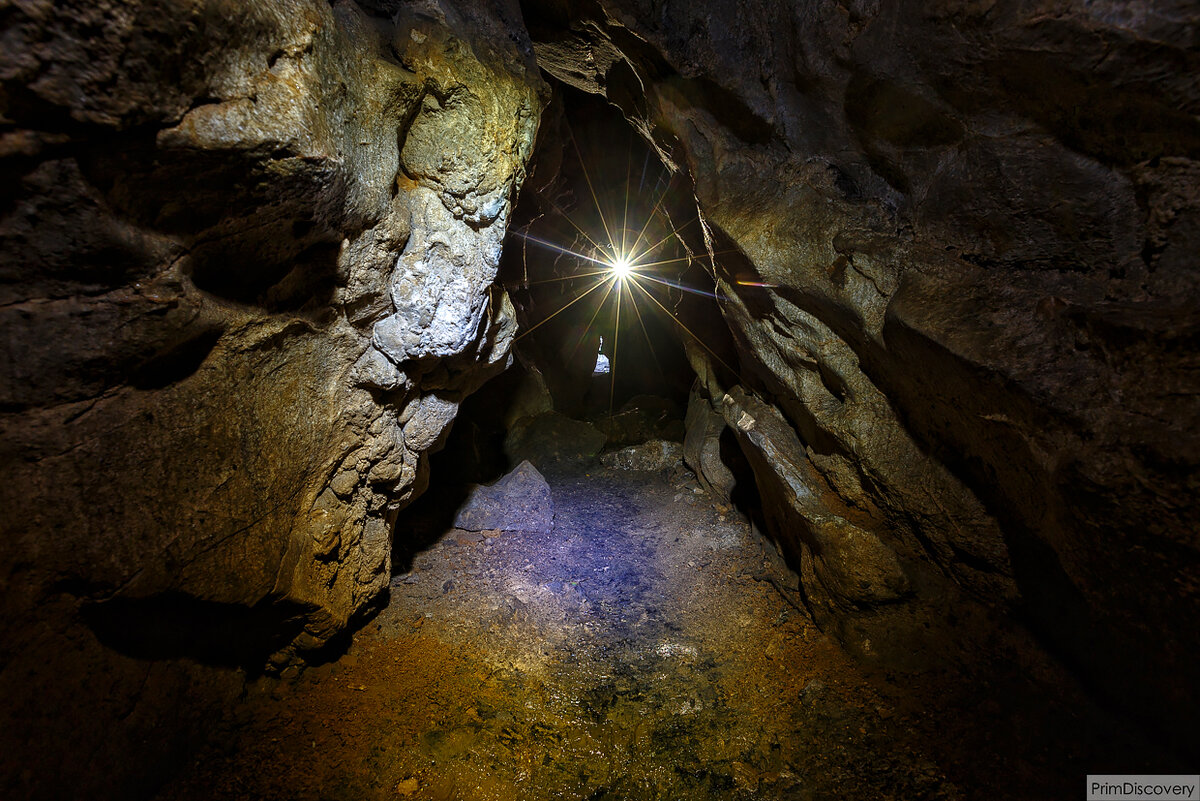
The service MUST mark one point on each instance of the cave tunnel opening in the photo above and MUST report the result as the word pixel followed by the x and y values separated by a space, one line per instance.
pixel 618 601
pixel 605 263
pixel 599 262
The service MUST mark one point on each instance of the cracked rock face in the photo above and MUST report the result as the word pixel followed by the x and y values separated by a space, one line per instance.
pixel 247 255
pixel 959 293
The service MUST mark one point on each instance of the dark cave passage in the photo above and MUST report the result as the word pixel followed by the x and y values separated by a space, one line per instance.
pixel 600 191
pixel 577 612
pixel 546 399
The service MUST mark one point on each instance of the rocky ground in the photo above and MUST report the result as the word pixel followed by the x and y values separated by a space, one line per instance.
pixel 650 644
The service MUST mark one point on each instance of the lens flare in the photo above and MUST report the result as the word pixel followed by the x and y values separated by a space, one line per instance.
pixel 621 267
pixel 619 260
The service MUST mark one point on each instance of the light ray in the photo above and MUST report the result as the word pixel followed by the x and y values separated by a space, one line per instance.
pixel 575 277
pixel 538 325
pixel 674 232
pixel 562 213
pixel 650 216
pixel 645 265
pixel 642 265
pixel 668 312
pixel 588 327
pixel 561 249
pixel 645 333
pixel 681 287
pixel 612 384
pixel 591 189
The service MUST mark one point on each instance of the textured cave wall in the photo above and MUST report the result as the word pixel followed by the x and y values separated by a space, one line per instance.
pixel 247 262
pixel 964 287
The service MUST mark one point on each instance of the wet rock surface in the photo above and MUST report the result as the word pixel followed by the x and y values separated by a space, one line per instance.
pixel 651 646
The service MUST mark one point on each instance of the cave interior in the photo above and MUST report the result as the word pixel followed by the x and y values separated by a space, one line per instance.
pixel 624 400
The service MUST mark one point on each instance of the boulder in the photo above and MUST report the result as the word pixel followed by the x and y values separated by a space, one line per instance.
pixel 520 501
pixel 553 439
pixel 656 454
pixel 642 418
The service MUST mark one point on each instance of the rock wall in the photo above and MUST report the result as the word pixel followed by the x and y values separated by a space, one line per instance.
pixel 247 262
pixel 957 257
pixel 247 254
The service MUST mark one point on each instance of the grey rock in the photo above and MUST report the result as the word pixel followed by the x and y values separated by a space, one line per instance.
pixel 656 454
pixel 553 439
pixel 702 447
pixel 520 501
pixel 430 422
pixel 374 369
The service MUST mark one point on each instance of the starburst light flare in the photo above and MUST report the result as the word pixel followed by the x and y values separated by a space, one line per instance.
pixel 629 243
pixel 621 268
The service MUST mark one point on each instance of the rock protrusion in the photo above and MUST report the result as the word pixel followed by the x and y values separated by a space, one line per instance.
pixel 702 447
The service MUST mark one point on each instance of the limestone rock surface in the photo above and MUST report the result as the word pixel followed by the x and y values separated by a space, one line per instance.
pixel 951 249
pixel 247 262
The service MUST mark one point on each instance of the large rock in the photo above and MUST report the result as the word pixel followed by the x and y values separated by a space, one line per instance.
pixel 656 454
pixel 242 295
pixel 702 447
pixel 954 253
pixel 552 440
pixel 642 418
pixel 520 501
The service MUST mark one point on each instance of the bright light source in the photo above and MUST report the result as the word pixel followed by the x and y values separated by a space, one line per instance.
pixel 620 267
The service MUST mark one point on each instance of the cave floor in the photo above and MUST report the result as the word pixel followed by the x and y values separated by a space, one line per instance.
pixel 649 646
